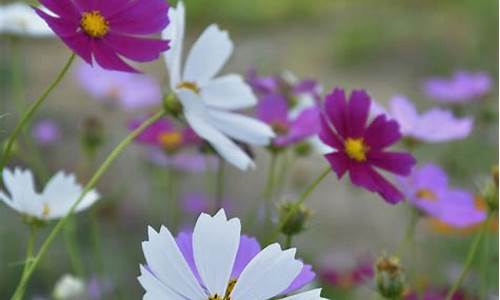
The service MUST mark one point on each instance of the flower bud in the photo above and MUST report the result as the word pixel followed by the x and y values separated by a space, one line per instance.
pixel 303 149
pixel 389 277
pixel 490 193
pixel 172 105
pixel 293 218
pixel 92 135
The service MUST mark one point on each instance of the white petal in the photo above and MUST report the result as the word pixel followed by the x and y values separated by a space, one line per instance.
pixel 268 274
pixel 309 295
pixel 228 92
pixel 155 289
pixel 215 244
pixel 23 196
pixel 197 117
pixel 175 33
pixel 166 261
pixel 208 55
pixel 242 128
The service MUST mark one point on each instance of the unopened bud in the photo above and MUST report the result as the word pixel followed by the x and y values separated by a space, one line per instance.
pixel 490 193
pixel 92 135
pixel 303 149
pixel 172 105
pixel 293 218
pixel 389 277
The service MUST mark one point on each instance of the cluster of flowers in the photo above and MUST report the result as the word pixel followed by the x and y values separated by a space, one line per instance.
pixel 206 126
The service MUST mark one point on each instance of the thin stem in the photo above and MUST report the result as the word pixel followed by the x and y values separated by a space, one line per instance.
pixel 72 248
pixel 483 284
pixel 29 250
pixel 471 254
pixel 219 185
pixel 88 187
pixel 172 209
pixel 96 241
pixel 268 192
pixel 25 119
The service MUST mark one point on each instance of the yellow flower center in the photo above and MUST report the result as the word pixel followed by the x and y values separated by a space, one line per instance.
pixel 171 140
pixel 190 85
pixel 280 127
pixel 45 210
pixel 227 295
pixel 356 149
pixel 94 24
pixel 426 194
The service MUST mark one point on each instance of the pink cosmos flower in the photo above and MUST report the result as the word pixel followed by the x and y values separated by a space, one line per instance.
pixel 359 148
pixel 461 87
pixel 110 30
pixel 46 132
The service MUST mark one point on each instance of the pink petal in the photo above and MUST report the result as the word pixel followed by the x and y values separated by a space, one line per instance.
pixel 363 175
pixel 328 136
pixel 141 17
pixel 138 49
pixel 382 133
pixel 336 109
pixel 359 107
pixel 63 8
pixel 61 26
pixel 81 44
pixel 339 162
pixel 396 162
pixel 272 108
pixel 109 8
pixel 106 58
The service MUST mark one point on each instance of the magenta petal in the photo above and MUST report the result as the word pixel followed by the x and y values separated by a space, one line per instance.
pixel 107 58
pixel 327 135
pixel 272 108
pixel 336 109
pixel 382 133
pixel 305 276
pixel 141 17
pixel 396 162
pixel 80 44
pixel 364 176
pixel 63 8
pixel 137 49
pixel 306 125
pixel 359 106
pixel 110 7
pixel 339 162
pixel 85 5
pixel 61 26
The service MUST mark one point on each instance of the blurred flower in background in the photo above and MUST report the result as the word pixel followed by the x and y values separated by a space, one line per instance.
pixel 46 132
pixel 427 189
pixel 107 31
pixel 209 102
pixel 19 19
pixel 69 287
pixel 345 272
pixel 360 148
pixel 59 194
pixel 433 126
pixel 462 87
pixel 125 90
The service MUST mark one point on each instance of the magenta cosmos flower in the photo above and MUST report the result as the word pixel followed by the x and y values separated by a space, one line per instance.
pixel 359 148
pixel 461 87
pixel 110 30
pixel 273 109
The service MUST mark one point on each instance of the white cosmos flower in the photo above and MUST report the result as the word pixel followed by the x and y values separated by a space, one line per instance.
pixel 20 19
pixel 69 287
pixel 215 243
pixel 60 193
pixel 209 101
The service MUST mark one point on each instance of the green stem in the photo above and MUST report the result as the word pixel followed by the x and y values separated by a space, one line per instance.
pixel 29 251
pixel 88 187
pixel 72 248
pixel 219 185
pixel 471 254
pixel 307 192
pixel 96 242
pixel 483 284
pixel 268 192
pixel 25 119
pixel 172 209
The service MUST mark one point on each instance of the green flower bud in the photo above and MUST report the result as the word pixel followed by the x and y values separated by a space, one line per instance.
pixel 303 149
pixel 293 218
pixel 172 105
pixel 92 136
pixel 389 277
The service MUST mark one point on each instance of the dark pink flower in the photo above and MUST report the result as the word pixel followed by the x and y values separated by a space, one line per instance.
pixel 360 148
pixel 108 31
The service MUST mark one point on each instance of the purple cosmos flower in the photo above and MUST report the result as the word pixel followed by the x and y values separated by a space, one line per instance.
pixel 263 85
pixel 427 189
pixel 165 135
pixel 46 132
pixel 273 109
pixel 249 247
pixel 361 148
pixel 185 162
pixel 432 126
pixel 129 91
pixel 462 87
pixel 109 31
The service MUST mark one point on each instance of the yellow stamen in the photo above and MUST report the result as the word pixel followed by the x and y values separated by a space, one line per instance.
pixel 94 24
pixel 45 210
pixel 356 149
pixel 171 140
pixel 426 194
pixel 190 85
pixel 227 295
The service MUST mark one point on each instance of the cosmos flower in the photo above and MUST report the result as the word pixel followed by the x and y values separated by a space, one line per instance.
pixel 184 161
pixel 208 101
pixel 217 263
pixel 126 90
pixel 19 19
pixel 108 31
pixel 427 189
pixel 461 87
pixel 69 287
pixel 273 109
pixel 360 148
pixel 60 193
pixel 433 126
pixel 46 132
pixel 347 271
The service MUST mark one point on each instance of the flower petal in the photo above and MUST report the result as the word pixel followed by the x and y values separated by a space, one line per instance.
pixel 272 108
pixel 396 162
pixel 309 295
pixel 215 244
pixel 358 108
pixel 139 17
pixel 137 49
pixel 382 133
pixel 339 162
pixel 61 26
pixel 328 136
pixel 305 276
pixel 249 248
pixel 405 113
pixel 175 34
pixel 106 57
pixel 268 274
pixel 228 92
pixel 208 55
pixel 155 289
pixel 336 110
pixel 63 8
pixel 363 175
pixel 81 45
